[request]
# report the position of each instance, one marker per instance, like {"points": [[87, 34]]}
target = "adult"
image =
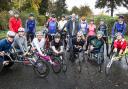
{"points": [[5, 46], [62, 24], [91, 32], [15, 22], [83, 26], [103, 27], [72, 29], [20, 42], [30, 27]]}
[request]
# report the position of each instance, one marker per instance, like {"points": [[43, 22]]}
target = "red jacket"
{"points": [[120, 44], [14, 24]]}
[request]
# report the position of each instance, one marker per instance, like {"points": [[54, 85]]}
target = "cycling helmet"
{"points": [[100, 33], [21, 29], [39, 34], [118, 34], [11, 34], [31, 14], [121, 17], [57, 35]]}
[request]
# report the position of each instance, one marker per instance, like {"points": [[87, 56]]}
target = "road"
{"points": [[23, 77]]}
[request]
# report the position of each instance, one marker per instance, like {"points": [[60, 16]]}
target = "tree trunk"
{"points": [[112, 7]]}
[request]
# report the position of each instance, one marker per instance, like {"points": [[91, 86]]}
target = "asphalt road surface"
{"points": [[23, 77]]}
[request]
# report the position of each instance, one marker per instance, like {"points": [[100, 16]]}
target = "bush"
{"points": [[4, 18], [41, 20]]}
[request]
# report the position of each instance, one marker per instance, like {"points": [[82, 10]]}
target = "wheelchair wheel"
{"points": [[41, 68], [8, 58], [108, 67], [56, 67], [126, 58]]}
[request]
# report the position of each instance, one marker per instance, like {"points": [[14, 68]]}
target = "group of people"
{"points": [[79, 32]]}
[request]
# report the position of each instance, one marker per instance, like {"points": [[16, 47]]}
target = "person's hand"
{"points": [[2, 53], [115, 50], [121, 51], [91, 47], [33, 49]]}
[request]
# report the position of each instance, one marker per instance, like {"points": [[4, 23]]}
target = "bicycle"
{"points": [[116, 57]]}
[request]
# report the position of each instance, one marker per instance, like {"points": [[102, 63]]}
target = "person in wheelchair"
{"points": [[20, 42], [5, 46], [57, 45], [78, 44], [120, 44], [38, 42], [96, 43]]}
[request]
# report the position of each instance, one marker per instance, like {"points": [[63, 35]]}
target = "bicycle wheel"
{"points": [[64, 66], [56, 67], [1, 66], [41, 68], [126, 58]]}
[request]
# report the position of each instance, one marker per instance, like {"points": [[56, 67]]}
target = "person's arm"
{"points": [[19, 44], [54, 49], [124, 45], [20, 22], [124, 30], [25, 44], [10, 25], [35, 26]]}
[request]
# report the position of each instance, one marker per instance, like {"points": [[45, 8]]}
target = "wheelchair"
{"points": [[96, 56]]}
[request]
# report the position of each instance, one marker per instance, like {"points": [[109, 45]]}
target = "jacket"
{"points": [[14, 24]]}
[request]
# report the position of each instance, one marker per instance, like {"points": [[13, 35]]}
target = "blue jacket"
{"points": [[119, 28], [30, 26], [5, 45], [52, 27]]}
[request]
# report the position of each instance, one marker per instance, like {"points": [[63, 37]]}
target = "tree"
{"points": [[43, 7], [60, 7], [82, 11], [5, 4], [111, 4]]}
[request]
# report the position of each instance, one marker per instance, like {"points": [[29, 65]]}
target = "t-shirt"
{"points": [[91, 30], [77, 43], [57, 45]]}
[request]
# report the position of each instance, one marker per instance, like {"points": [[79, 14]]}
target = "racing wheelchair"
{"points": [[96, 56]]}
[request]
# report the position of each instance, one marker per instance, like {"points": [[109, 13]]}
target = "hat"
{"points": [[31, 14], [121, 17], [11, 33]]}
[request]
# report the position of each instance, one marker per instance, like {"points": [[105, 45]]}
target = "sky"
{"points": [[91, 4]]}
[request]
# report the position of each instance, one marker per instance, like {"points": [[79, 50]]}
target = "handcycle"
{"points": [[38, 65], [96, 56], [116, 57], [56, 61]]}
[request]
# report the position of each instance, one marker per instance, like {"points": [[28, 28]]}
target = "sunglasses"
{"points": [[78, 36]]}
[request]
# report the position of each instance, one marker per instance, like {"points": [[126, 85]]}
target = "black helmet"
{"points": [[57, 35], [31, 14]]}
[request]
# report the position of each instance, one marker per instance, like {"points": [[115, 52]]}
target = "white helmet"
{"points": [[21, 29], [11, 33]]}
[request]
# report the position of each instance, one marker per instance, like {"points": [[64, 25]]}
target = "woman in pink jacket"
{"points": [[91, 32]]}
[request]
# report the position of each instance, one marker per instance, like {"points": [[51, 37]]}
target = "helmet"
{"points": [[118, 34], [57, 35], [11, 33], [16, 12], [31, 14], [21, 29], [121, 17], [39, 34], [100, 32]]}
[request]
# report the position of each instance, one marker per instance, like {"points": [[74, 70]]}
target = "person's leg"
{"points": [[88, 39]]}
